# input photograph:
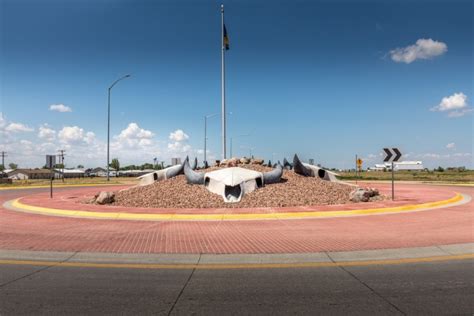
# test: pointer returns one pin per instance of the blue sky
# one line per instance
(326, 80)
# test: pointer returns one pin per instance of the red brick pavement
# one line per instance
(21, 231)
(73, 199)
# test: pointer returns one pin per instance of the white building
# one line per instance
(398, 166)
(134, 173)
(408, 165)
(101, 172)
(70, 173)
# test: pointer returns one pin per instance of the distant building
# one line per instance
(408, 165)
(29, 174)
(175, 161)
(134, 173)
(398, 166)
(70, 173)
(100, 172)
(378, 167)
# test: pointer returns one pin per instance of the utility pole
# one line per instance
(4, 154)
(61, 159)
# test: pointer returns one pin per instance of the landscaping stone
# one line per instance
(105, 197)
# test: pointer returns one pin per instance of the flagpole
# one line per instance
(223, 86)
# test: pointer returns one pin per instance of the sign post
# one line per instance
(50, 162)
(392, 155)
(356, 169)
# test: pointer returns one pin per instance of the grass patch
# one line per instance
(423, 176)
(75, 181)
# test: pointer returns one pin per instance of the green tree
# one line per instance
(2, 167)
(115, 164)
(80, 167)
(59, 166)
(12, 165)
(440, 169)
(146, 166)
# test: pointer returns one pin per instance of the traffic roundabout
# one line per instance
(421, 216)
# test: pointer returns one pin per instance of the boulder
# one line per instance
(256, 161)
(231, 162)
(105, 198)
(223, 162)
(244, 160)
(363, 194)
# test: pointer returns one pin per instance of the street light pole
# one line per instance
(108, 124)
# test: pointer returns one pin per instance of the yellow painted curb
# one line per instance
(215, 217)
(62, 186)
(238, 266)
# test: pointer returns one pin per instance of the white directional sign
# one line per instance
(392, 154)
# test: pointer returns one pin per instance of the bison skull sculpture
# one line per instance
(308, 170)
(232, 183)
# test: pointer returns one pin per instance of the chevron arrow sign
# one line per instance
(392, 154)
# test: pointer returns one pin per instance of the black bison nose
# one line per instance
(232, 192)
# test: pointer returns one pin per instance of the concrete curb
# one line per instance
(240, 261)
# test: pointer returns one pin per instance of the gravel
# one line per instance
(293, 190)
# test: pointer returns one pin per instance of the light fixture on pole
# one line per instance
(108, 124)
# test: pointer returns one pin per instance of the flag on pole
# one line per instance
(226, 39)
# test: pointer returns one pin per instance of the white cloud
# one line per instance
(453, 102)
(25, 142)
(462, 154)
(459, 113)
(133, 137)
(3, 121)
(179, 136)
(179, 147)
(422, 49)
(201, 151)
(451, 146)
(60, 108)
(179, 144)
(133, 145)
(47, 133)
(75, 135)
(456, 104)
(17, 127)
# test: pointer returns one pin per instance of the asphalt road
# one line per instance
(420, 288)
